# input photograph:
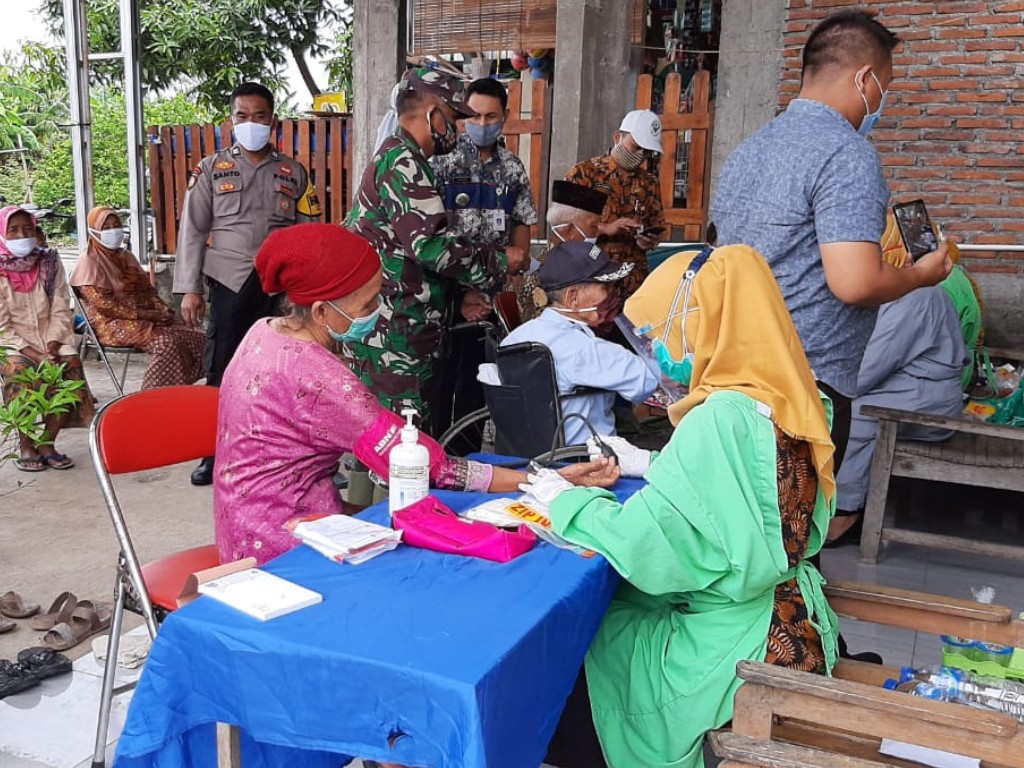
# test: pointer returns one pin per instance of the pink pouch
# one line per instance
(375, 444)
(431, 525)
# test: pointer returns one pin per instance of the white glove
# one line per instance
(545, 485)
(633, 461)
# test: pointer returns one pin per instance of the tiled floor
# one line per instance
(53, 725)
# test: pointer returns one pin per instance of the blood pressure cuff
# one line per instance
(485, 197)
(374, 447)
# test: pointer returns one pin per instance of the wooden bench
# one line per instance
(978, 454)
(843, 720)
(851, 718)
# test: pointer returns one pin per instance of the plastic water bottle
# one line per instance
(408, 468)
(985, 691)
(918, 688)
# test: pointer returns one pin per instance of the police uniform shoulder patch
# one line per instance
(309, 203)
(194, 177)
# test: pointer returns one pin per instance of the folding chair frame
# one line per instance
(90, 339)
(130, 589)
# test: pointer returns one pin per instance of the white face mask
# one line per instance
(252, 136)
(109, 238)
(22, 247)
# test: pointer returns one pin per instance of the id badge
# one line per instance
(497, 220)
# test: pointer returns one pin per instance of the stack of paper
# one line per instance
(347, 539)
(258, 593)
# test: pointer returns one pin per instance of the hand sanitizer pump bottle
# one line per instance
(409, 468)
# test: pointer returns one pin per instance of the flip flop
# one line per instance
(59, 611)
(85, 622)
(43, 663)
(14, 678)
(37, 464)
(7, 626)
(58, 461)
(13, 607)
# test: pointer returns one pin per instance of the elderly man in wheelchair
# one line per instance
(576, 290)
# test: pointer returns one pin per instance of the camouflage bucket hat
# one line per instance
(448, 87)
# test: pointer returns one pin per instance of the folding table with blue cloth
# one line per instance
(414, 657)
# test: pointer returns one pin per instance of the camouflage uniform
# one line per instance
(631, 194)
(398, 209)
(484, 199)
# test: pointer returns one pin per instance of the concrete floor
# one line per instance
(55, 535)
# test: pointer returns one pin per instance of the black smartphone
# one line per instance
(915, 228)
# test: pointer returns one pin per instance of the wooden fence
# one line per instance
(685, 170)
(321, 144)
(324, 146)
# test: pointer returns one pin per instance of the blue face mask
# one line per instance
(871, 118)
(360, 327)
(677, 370)
(484, 135)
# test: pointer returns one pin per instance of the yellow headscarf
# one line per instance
(895, 252)
(743, 339)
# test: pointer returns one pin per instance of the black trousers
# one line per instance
(842, 418)
(231, 316)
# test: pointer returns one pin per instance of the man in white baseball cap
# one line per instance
(645, 128)
(631, 223)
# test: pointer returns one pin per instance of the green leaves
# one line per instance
(44, 392)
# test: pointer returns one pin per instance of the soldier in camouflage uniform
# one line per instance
(486, 191)
(399, 210)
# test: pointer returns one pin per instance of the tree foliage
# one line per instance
(207, 47)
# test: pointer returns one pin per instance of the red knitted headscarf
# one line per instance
(315, 262)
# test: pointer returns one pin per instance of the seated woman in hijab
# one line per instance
(125, 310)
(36, 324)
(289, 408)
(714, 549)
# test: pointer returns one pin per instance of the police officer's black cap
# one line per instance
(577, 262)
(578, 196)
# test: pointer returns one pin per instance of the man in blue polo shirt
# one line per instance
(807, 191)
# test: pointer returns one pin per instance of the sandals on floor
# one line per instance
(59, 611)
(58, 461)
(34, 464)
(43, 663)
(85, 621)
(7, 626)
(13, 607)
(14, 678)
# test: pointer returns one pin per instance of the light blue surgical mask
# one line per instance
(360, 327)
(680, 370)
(564, 239)
(871, 118)
(484, 135)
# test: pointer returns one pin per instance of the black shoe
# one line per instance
(43, 662)
(203, 474)
(14, 678)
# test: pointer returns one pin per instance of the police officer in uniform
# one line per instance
(236, 197)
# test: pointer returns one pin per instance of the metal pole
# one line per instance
(136, 135)
(77, 44)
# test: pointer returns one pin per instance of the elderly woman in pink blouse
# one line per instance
(289, 408)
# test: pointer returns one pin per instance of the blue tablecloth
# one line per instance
(414, 657)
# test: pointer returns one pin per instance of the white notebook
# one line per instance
(259, 594)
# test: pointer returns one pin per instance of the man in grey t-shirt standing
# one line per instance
(807, 192)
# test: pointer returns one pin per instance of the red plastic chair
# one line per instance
(141, 431)
(507, 306)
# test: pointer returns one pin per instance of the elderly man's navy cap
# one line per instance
(578, 196)
(575, 262)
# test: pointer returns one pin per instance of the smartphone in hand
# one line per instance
(915, 228)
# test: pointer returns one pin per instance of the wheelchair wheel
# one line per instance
(473, 433)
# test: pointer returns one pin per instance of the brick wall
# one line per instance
(952, 126)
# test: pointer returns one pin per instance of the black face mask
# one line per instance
(443, 142)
